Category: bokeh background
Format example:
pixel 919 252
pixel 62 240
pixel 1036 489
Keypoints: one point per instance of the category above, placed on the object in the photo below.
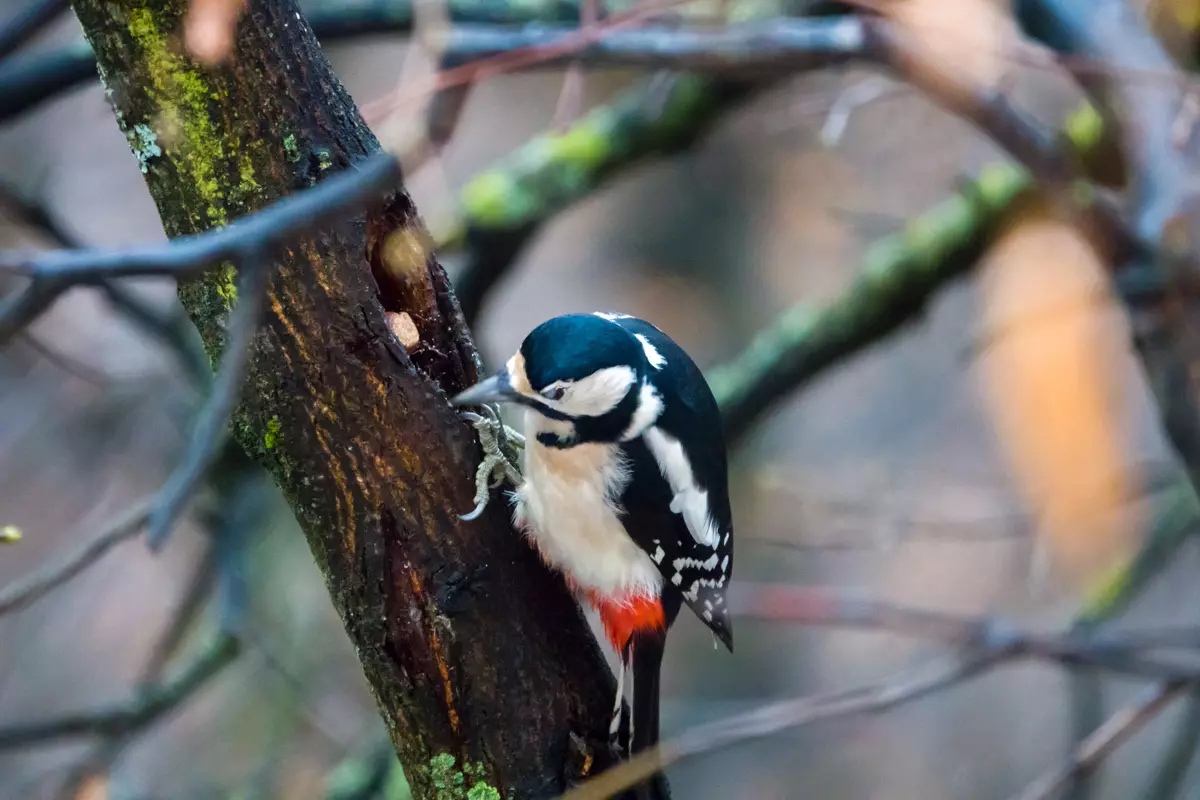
pixel 889 473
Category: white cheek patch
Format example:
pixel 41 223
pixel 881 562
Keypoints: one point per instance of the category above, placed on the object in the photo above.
pixel 689 501
pixel 652 355
pixel 598 393
pixel 649 407
pixel 516 375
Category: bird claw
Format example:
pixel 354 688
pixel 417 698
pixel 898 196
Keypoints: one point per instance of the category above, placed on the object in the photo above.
pixel 474 514
pixel 502 448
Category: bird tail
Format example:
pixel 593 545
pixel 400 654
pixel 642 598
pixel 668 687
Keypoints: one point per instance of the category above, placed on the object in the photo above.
pixel 638 727
pixel 646 654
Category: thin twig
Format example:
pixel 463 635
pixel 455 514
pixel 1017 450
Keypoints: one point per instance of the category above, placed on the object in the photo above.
pixel 209 432
pixel 27 590
pixel 29 80
pixel 1173 768
pixel 1119 652
pixel 55 272
pixel 110 747
pixel 777 717
pixel 172 329
pixel 1107 738
pixel 68 364
pixel 143 709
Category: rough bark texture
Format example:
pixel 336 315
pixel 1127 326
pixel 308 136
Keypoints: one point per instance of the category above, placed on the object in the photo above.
pixel 482 664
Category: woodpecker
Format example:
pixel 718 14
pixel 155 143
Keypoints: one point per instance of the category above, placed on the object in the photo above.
pixel 625 485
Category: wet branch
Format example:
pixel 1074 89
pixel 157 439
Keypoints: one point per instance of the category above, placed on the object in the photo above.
pixel 984 643
pixel 27 590
pixel 147 706
pixel 1103 741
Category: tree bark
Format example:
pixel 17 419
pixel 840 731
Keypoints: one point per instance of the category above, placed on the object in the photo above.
pixel 484 669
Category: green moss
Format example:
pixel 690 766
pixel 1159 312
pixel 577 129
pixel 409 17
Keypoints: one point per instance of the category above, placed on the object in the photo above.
pixel 999 183
pixel 450 783
pixel 553 170
pixel 271 437
pixel 586 145
pixel 1085 128
pixel 481 791
pixel 182 93
pixel 488 198
pixel 291 148
pixel 225 279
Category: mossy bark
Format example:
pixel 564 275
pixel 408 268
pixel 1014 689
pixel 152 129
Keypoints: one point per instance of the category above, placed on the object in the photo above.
pixel 474 650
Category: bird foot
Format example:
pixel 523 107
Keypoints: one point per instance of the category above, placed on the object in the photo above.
pixel 502 449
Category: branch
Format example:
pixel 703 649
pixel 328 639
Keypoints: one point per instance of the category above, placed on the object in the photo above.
pixel 140 711
pixel 109 747
pixel 28 81
pixel 777 717
pixel 1107 738
pixel 1161 146
pixel 504 206
pixel 988 643
pixel 210 429
pixel 32 587
pixel 900 276
pixel 1172 772
pixel 839 608
pixel 262 233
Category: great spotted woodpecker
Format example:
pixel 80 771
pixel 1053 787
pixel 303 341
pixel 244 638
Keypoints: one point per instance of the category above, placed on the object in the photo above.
pixel 625 484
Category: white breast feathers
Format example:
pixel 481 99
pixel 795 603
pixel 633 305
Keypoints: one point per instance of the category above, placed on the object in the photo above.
pixel 568 506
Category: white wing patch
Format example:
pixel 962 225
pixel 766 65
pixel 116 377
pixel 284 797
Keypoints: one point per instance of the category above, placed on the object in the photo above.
pixel 680 564
pixel 689 501
pixel 649 406
pixel 655 358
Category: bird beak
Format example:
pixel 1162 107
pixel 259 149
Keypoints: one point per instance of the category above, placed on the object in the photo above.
pixel 495 389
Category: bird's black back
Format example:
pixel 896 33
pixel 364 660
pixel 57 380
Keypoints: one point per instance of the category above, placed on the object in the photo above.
pixel 690 415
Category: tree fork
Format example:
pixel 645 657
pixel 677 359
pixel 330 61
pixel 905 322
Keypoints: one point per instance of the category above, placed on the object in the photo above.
pixel 484 669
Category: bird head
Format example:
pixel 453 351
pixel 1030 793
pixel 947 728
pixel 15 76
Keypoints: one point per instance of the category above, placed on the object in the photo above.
pixel 583 376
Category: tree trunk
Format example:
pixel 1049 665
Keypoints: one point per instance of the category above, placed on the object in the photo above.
pixel 482 664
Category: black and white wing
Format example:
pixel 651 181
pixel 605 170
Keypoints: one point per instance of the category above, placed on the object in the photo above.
pixel 686 447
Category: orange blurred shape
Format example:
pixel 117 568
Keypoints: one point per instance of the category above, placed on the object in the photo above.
pixel 1053 386
pixel 94 787
pixel 970 39
pixel 210 27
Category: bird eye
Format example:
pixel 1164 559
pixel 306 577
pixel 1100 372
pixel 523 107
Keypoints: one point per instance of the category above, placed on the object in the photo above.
pixel 554 394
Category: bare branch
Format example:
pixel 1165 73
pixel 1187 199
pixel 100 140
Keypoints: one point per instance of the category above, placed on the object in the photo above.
pixel 1108 737
pixel 990 643
pixel 109 748
pixel 840 608
pixel 28 81
pixel 901 275
pixel 777 717
pixel 54 272
pixel 146 707
pixel 504 206
pixel 209 432
pixel 27 590
pixel 1172 772
pixel 68 364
